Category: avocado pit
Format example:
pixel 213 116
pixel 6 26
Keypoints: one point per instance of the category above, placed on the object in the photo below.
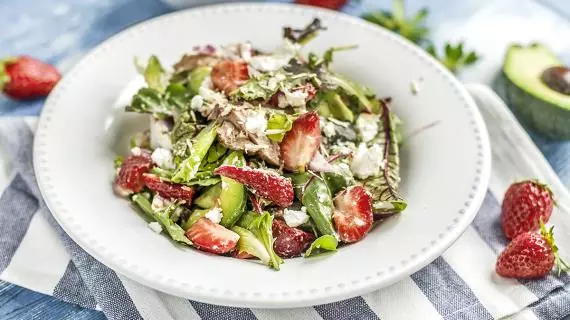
pixel 557 78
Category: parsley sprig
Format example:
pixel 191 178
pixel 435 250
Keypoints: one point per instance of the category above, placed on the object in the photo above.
pixel 413 28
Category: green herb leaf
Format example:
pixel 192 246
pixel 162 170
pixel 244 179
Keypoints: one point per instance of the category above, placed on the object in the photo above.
pixel 455 57
pixel 384 188
pixel 322 244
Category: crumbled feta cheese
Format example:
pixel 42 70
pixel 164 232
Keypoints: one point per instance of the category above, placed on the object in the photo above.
pixel 367 126
pixel 155 226
pixel 163 158
pixel 215 215
pixel 296 98
pixel 159 203
pixel 136 151
pixel 383 206
pixel 255 122
pixel 343 148
pixel 414 87
pixel 366 162
pixel 159 134
pixel 245 51
pixel 197 102
pixel 328 128
pixel 269 62
pixel 295 218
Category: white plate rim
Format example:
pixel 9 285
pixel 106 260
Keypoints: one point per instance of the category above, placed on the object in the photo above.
pixel 221 296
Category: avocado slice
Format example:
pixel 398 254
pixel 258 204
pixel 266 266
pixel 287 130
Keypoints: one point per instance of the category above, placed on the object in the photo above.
pixel 536 103
pixel 233 196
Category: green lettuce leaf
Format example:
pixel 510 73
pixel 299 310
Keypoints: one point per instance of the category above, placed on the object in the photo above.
pixel 260 226
pixel 198 149
pixel 148 100
pixel 249 243
pixel 154 74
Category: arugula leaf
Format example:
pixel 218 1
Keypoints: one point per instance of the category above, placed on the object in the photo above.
pixel 323 243
pixel 303 36
pixel 351 88
pixel 315 62
pixel 454 57
pixel 260 226
pixel 154 74
pixel 384 188
pixel 277 125
pixel 412 28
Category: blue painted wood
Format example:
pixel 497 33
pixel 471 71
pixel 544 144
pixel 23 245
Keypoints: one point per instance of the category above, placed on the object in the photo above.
pixel 20 303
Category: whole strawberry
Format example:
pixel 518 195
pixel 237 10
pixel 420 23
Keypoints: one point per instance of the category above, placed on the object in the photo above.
pixel 530 255
pixel 24 78
pixel 329 4
pixel 526 203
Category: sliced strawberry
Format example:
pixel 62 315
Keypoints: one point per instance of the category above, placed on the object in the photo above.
pixel 290 242
pixel 353 213
pixel 130 177
pixel 228 75
pixel 278 227
pixel 266 184
pixel 300 144
pixel 212 237
pixel 168 190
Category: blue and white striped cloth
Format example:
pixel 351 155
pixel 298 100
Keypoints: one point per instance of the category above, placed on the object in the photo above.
pixel 461 284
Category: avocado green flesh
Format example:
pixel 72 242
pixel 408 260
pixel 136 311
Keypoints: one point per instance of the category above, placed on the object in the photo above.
pixel 524 67
pixel 537 105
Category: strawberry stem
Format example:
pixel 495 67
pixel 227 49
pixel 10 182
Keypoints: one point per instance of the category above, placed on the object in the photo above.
pixel 559 263
pixel 4 76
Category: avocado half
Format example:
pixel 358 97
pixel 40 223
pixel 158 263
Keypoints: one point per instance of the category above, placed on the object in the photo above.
pixel 536 104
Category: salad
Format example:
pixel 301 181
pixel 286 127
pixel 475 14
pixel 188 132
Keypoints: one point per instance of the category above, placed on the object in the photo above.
pixel 261 155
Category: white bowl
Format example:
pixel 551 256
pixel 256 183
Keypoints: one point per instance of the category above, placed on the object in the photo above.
pixel 444 174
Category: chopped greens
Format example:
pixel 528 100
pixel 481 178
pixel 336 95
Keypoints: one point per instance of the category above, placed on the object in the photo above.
pixel 255 154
